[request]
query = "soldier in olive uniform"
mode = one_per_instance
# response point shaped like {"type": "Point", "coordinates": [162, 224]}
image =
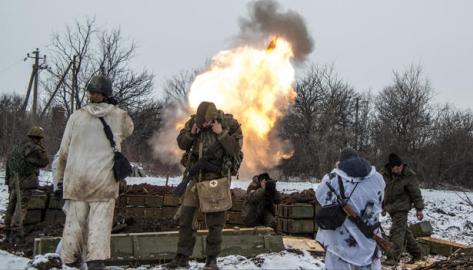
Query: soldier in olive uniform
{"type": "Point", "coordinates": [261, 195]}
{"type": "Point", "coordinates": [21, 177]}
{"type": "Point", "coordinates": [401, 193]}
{"type": "Point", "coordinates": [221, 133]}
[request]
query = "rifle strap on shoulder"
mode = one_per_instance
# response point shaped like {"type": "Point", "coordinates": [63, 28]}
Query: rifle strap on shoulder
{"type": "Point", "coordinates": [201, 149]}
{"type": "Point", "coordinates": [342, 188]}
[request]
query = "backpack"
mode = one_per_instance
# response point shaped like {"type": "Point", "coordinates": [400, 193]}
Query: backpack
{"type": "Point", "coordinates": [231, 163]}
{"type": "Point", "coordinates": [332, 216]}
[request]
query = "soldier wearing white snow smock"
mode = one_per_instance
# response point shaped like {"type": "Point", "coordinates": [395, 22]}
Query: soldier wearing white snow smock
{"type": "Point", "coordinates": [362, 187]}
{"type": "Point", "coordinates": [84, 172]}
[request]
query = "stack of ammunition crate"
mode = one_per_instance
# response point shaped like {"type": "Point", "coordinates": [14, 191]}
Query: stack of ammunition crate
{"type": "Point", "coordinates": [296, 219]}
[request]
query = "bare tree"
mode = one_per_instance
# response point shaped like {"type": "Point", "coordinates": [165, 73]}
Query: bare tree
{"type": "Point", "coordinates": [403, 115]}
{"type": "Point", "coordinates": [321, 122]}
{"type": "Point", "coordinates": [97, 51]}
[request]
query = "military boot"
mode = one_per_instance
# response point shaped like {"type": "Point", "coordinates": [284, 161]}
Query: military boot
{"type": "Point", "coordinates": [8, 236]}
{"type": "Point", "coordinates": [178, 261]}
{"type": "Point", "coordinates": [15, 237]}
{"type": "Point", "coordinates": [95, 265]}
{"type": "Point", "coordinates": [211, 263]}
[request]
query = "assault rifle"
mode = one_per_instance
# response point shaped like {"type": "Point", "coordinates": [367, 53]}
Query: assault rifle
{"type": "Point", "coordinates": [367, 230]}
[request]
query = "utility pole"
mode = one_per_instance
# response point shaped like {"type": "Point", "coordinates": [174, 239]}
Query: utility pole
{"type": "Point", "coordinates": [34, 80]}
{"type": "Point", "coordinates": [356, 123]}
{"type": "Point", "coordinates": [74, 82]}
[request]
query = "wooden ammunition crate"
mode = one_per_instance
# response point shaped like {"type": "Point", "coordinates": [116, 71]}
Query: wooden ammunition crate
{"type": "Point", "coordinates": [139, 212]}
{"type": "Point", "coordinates": [55, 202]}
{"type": "Point", "coordinates": [421, 229]}
{"type": "Point", "coordinates": [37, 201]}
{"type": "Point", "coordinates": [443, 247]}
{"type": "Point", "coordinates": [169, 212]}
{"type": "Point", "coordinates": [33, 216]}
{"type": "Point", "coordinates": [296, 226]}
{"type": "Point", "coordinates": [53, 216]}
{"type": "Point", "coordinates": [296, 211]}
{"type": "Point", "coordinates": [171, 200]}
{"type": "Point", "coordinates": [234, 218]}
{"type": "Point", "coordinates": [141, 201]}
{"type": "Point", "coordinates": [237, 205]}
{"type": "Point", "coordinates": [162, 246]}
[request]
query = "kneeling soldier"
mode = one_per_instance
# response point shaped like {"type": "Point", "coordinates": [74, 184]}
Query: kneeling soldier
{"type": "Point", "coordinates": [258, 208]}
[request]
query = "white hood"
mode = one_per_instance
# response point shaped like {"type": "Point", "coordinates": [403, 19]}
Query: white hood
{"type": "Point", "coordinates": [99, 109]}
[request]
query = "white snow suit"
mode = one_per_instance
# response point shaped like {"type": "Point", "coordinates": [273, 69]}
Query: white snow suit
{"type": "Point", "coordinates": [85, 169]}
{"type": "Point", "coordinates": [347, 247]}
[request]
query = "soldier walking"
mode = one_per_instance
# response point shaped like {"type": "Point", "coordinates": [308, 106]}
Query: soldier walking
{"type": "Point", "coordinates": [401, 193]}
{"type": "Point", "coordinates": [212, 141]}
{"type": "Point", "coordinates": [84, 173]}
{"type": "Point", "coordinates": [362, 187]}
{"type": "Point", "coordinates": [21, 177]}
{"type": "Point", "coordinates": [261, 195]}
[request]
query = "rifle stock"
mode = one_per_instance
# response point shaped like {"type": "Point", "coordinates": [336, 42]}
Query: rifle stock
{"type": "Point", "coordinates": [384, 244]}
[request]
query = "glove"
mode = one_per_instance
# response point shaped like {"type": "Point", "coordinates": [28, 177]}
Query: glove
{"type": "Point", "coordinates": [58, 192]}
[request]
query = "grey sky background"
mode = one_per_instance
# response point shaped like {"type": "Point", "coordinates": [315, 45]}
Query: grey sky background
{"type": "Point", "coordinates": [364, 40]}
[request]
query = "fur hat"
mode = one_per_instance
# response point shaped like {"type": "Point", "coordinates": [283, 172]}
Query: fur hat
{"type": "Point", "coordinates": [264, 176]}
{"type": "Point", "coordinates": [394, 160]}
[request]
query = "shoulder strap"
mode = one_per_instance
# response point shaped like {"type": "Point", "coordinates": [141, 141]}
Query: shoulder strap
{"type": "Point", "coordinates": [342, 188]}
{"type": "Point", "coordinates": [108, 133]}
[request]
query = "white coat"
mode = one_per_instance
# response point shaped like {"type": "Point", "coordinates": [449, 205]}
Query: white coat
{"type": "Point", "coordinates": [348, 242]}
{"type": "Point", "coordinates": [86, 157]}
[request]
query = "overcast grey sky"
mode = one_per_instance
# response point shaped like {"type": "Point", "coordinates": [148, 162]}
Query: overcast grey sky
{"type": "Point", "coordinates": [365, 40]}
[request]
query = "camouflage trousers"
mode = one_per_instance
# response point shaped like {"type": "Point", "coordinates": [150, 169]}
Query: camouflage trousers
{"type": "Point", "coordinates": [402, 237]}
{"type": "Point", "coordinates": [214, 221]}
{"type": "Point", "coordinates": [14, 218]}
{"type": "Point", "coordinates": [266, 218]}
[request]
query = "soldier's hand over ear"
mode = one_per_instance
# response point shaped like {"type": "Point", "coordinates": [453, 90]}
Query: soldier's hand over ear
{"type": "Point", "coordinates": [195, 129]}
{"type": "Point", "coordinates": [217, 127]}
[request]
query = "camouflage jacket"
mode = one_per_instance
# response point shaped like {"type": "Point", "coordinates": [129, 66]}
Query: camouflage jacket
{"type": "Point", "coordinates": [24, 161]}
{"type": "Point", "coordinates": [227, 144]}
{"type": "Point", "coordinates": [402, 192]}
{"type": "Point", "coordinates": [257, 202]}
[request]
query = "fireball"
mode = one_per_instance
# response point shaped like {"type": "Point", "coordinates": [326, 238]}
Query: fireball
{"type": "Point", "coordinates": [256, 86]}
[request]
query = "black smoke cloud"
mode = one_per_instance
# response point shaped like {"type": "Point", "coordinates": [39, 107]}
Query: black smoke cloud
{"type": "Point", "coordinates": [267, 19]}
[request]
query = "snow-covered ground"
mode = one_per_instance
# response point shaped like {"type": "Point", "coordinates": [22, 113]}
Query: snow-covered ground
{"type": "Point", "coordinates": [451, 218]}
{"type": "Point", "coordinates": [10, 261]}
{"type": "Point", "coordinates": [283, 260]}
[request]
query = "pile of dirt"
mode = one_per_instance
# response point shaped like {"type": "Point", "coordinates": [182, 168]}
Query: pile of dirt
{"type": "Point", "coordinates": [305, 196]}
{"type": "Point", "coordinates": [238, 193]}
{"type": "Point", "coordinates": [32, 232]}
{"type": "Point", "coordinates": [147, 189]}
{"type": "Point", "coordinates": [457, 261]}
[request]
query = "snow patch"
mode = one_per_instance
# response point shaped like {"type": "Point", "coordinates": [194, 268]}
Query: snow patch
{"type": "Point", "coordinates": [10, 261]}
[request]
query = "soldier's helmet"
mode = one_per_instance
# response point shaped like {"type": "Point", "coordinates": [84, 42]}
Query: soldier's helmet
{"type": "Point", "coordinates": [100, 84]}
{"type": "Point", "coordinates": [205, 112]}
{"type": "Point", "coordinates": [36, 132]}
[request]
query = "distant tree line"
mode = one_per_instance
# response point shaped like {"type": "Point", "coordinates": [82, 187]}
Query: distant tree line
{"type": "Point", "coordinates": [434, 140]}
{"type": "Point", "coordinates": [328, 113]}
